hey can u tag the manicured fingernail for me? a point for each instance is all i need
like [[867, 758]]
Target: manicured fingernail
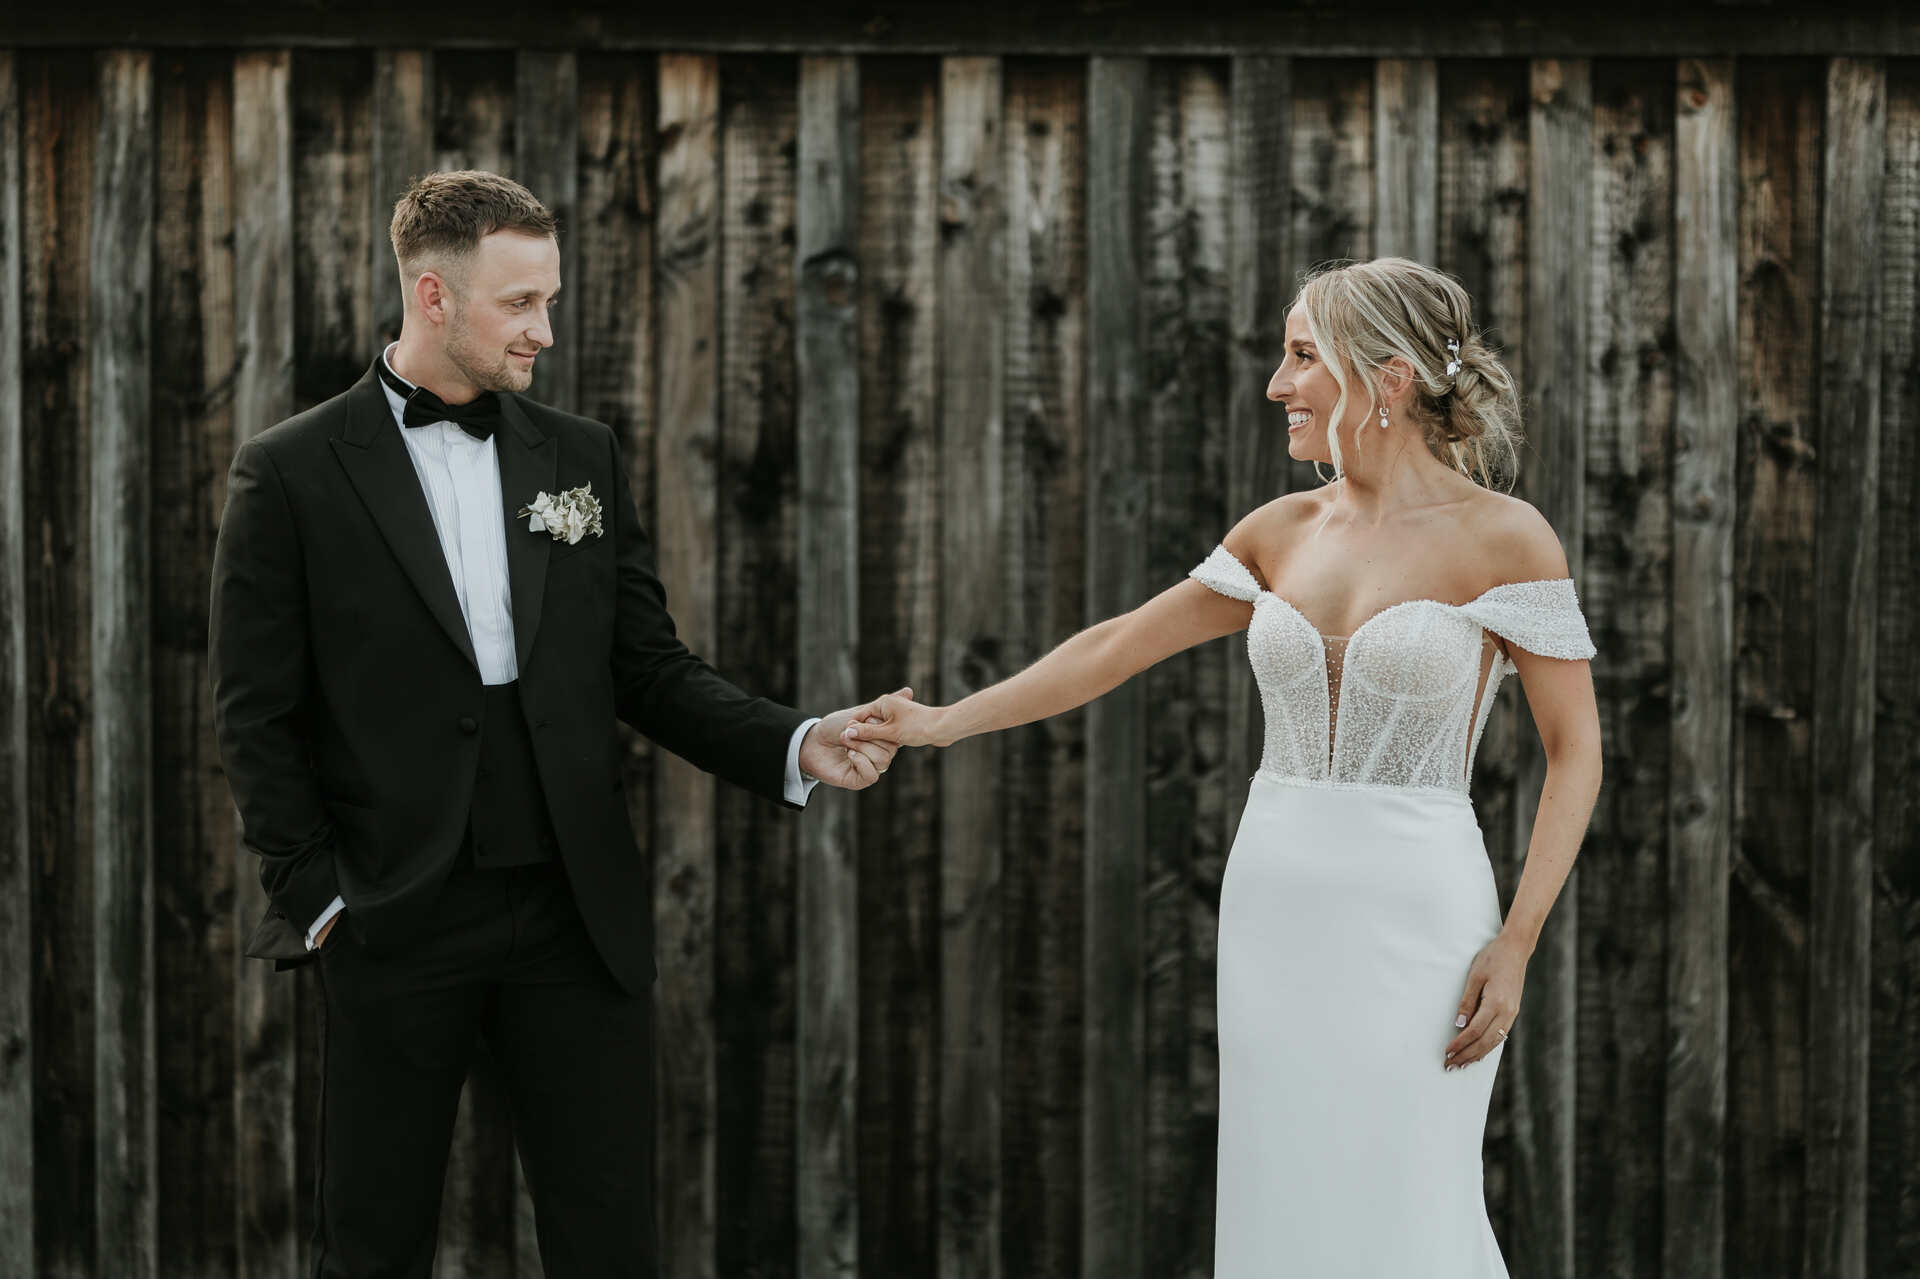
[[1459, 1021]]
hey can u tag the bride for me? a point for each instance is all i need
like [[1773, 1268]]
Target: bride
[[1367, 982]]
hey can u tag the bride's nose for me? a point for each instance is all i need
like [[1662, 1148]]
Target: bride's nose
[[1275, 389]]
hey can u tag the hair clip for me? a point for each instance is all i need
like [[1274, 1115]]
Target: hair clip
[[1453, 349]]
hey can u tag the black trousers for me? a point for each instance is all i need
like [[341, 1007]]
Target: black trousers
[[507, 959]]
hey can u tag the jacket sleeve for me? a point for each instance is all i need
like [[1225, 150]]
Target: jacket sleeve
[[260, 665], [669, 693]]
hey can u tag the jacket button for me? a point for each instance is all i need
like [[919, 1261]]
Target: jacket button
[[468, 724]]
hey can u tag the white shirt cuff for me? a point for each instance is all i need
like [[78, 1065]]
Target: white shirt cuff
[[333, 908], [798, 787]]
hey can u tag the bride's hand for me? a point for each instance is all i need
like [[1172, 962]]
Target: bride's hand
[[1491, 1002], [898, 720]]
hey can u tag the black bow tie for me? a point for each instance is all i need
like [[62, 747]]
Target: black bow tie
[[477, 417]]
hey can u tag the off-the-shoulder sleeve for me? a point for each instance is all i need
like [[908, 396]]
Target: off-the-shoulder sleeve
[[1226, 574], [1542, 617]]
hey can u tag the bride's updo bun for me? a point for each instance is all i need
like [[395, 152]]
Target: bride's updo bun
[[1362, 315]]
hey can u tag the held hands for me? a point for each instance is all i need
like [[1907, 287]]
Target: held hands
[[1491, 1002], [829, 756], [897, 721]]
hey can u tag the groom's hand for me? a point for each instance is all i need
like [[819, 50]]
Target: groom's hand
[[829, 757]]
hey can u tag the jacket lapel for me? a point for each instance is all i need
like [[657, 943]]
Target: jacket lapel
[[529, 463], [376, 461]]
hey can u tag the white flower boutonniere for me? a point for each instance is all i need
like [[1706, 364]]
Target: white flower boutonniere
[[569, 516]]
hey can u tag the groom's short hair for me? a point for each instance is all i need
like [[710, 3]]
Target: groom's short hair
[[443, 217]]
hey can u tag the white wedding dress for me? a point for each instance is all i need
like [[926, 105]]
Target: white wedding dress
[[1356, 896]]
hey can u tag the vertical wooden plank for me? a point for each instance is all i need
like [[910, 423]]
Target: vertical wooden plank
[[1626, 593], [686, 442], [16, 871], [1482, 240], [1705, 314], [194, 866], [1779, 109], [1558, 270], [332, 181], [1406, 149], [546, 147], [1839, 938], [59, 115], [827, 344], [1186, 304], [473, 110], [1044, 781], [1113, 1152], [1260, 289], [899, 822], [1893, 1092], [756, 1168], [1330, 205], [120, 674], [402, 151], [263, 273], [972, 427]]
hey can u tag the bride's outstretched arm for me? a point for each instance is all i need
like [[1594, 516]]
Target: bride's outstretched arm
[[1079, 670]]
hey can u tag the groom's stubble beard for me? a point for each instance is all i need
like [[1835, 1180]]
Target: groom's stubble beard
[[498, 375]]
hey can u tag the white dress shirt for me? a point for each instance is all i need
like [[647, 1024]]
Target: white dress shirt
[[461, 478]]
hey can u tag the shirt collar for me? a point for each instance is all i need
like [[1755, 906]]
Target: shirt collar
[[394, 402], [398, 404]]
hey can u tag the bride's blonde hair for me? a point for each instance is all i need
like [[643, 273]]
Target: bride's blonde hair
[[1361, 315]]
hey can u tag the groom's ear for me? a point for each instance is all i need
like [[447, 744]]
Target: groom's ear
[[432, 295]]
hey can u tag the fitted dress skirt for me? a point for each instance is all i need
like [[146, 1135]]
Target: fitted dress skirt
[[1349, 916]]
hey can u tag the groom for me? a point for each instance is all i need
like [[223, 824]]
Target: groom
[[415, 691]]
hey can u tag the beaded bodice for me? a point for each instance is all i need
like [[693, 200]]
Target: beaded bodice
[[1403, 700]]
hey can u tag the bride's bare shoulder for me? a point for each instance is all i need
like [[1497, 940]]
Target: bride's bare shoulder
[[1259, 538], [1520, 544]]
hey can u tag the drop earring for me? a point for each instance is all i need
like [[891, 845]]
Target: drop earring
[[1383, 417]]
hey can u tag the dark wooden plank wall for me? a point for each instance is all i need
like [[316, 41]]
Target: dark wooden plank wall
[[919, 365]]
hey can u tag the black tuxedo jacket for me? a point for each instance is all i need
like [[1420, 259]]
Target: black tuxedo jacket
[[347, 695]]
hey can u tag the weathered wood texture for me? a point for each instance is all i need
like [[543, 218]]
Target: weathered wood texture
[[1699, 814], [1839, 943], [17, 1180], [1893, 1089], [757, 863], [1044, 464], [918, 366], [899, 823], [970, 412], [826, 257], [1626, 557], [686, 447], [1185, 369], [1779, 106], [120, 353], [1113, 1207]]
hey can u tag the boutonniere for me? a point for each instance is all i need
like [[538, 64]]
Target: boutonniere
[[569, 516]]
